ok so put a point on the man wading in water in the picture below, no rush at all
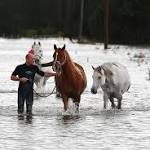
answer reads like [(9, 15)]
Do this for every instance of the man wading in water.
[(25, 73)]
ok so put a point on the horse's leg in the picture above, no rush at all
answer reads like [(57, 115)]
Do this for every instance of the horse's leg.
[(112, 102), (41, 82), (77, 102), (44, 81), (105, 97), (119, 101), (36, 84), (65, 101), (58, 95), (41, 85), (76, 107)]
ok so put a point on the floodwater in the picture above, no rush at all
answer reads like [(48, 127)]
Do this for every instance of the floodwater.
[(94, 127)]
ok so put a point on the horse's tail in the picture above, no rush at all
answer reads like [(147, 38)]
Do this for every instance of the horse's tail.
[(128, 87)]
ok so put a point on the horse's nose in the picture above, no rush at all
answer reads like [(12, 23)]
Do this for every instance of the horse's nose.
[(93, 91)]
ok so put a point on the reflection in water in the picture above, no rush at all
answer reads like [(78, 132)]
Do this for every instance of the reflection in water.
[(69, 119), (21, 117), (29, 119), (25, 119)]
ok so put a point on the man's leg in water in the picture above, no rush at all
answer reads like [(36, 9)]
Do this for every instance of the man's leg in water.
[(29, 103), (21, 100)]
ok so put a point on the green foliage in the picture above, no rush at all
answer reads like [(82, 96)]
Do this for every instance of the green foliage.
[(129, 20), (29, 33)]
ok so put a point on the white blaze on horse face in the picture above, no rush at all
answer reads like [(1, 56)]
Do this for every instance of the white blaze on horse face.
[(60, 58), (55, 62)]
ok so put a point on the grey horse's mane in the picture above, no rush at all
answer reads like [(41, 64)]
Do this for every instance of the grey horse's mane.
[(98, 69), (108, 73)]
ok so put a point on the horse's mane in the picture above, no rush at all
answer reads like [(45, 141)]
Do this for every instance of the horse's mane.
[(107, 72), (74, 67), (69, 59), (68, 56)]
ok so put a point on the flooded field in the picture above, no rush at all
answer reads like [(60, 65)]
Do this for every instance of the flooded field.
[(94, 127)]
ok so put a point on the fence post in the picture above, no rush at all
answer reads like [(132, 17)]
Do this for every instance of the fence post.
[(106, 22), (81, 20)]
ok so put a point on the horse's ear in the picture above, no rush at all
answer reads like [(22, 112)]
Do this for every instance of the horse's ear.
[(93, 68), (99, 69), (55, 47), (63, 47), (39, 43)]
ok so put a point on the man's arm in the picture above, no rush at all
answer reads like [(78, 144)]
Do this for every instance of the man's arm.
[(47, 64), (50, 74), (47, 73), (15, 75), (15, 78)]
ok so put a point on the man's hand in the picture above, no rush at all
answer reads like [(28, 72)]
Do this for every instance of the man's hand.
[(50, 74), (58, 73), (23, 79), (15, 78)]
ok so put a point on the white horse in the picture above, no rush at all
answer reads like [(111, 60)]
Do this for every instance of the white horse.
[(38, 55), (114, 80)]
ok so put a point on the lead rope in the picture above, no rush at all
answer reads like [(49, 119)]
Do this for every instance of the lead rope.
[(53, 88), (45, 95)]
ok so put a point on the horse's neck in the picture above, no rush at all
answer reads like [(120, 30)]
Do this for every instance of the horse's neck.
[(68, 67), (38, 54), (39, 66)]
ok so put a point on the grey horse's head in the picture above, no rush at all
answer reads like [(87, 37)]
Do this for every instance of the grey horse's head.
[(98, 78), (38, 53)]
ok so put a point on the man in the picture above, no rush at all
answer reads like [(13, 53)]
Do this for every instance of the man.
[(25, 73)]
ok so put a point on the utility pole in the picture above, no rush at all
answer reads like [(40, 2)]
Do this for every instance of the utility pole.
[(81, 20), (106, 23)]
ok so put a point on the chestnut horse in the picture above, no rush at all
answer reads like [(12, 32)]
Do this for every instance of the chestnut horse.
[(72, 79)]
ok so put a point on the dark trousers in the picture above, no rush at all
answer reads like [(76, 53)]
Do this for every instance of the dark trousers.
[(25, 96)]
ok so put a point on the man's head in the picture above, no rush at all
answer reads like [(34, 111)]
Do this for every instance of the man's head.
[(30, 59)]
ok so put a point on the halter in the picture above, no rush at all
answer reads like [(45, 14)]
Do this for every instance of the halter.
[(60, 64), (38, 57)]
